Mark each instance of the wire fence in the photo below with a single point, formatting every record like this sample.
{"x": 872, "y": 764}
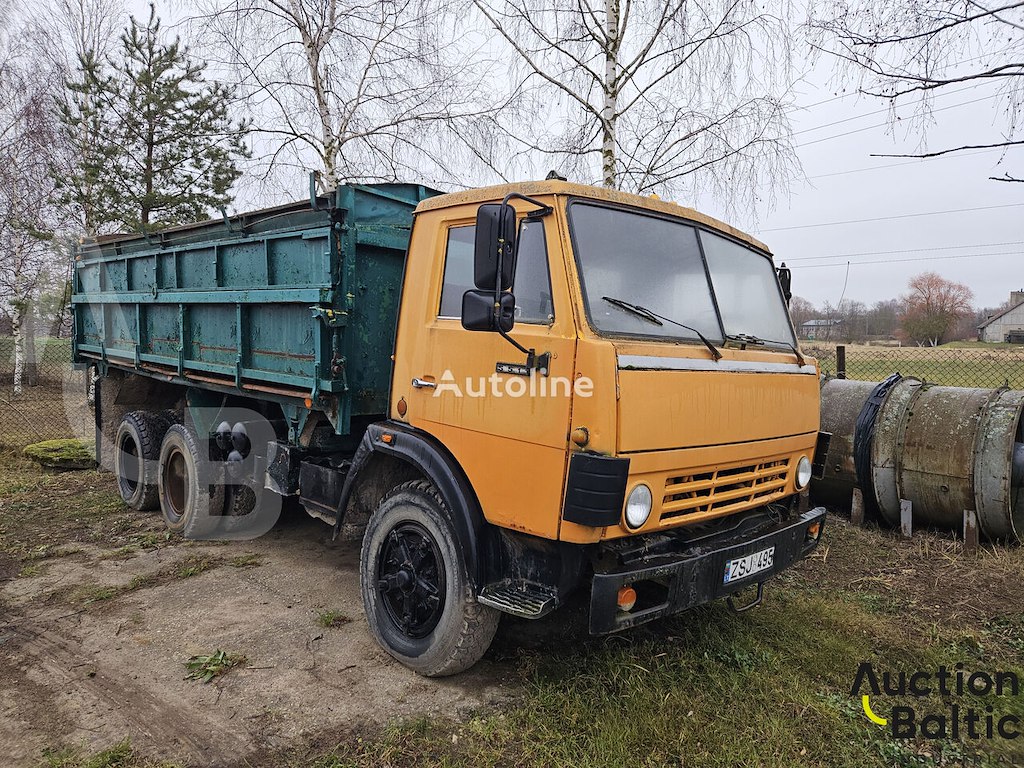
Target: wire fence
{"x": 52, "y": 401}
{"x": 992, "y": 366}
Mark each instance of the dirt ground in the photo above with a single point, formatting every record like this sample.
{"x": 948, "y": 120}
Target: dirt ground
{"x": 99, "y": 612}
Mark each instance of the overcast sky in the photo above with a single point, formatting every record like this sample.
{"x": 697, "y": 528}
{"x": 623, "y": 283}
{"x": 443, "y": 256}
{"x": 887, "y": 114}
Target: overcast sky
{"x": 982, "y": 248}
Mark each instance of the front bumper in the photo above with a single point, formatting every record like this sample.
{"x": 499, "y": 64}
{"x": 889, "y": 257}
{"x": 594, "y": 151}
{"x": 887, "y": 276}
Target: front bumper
{"x": 681, "y": 569}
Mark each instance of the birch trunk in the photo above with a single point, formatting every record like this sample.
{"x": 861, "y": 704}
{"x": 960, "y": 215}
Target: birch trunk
{"x": 610, "y": 106}
{"x": 28, "y": 333}
{"x": 19, "y": 350}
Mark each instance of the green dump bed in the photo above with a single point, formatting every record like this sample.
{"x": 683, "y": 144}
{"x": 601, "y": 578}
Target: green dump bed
{"x": 288, "y": 302}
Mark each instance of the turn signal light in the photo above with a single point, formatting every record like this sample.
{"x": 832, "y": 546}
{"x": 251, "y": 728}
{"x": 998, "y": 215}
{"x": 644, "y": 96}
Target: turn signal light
{"x": 813, "y": 530}
{"x": 627, "y": 598}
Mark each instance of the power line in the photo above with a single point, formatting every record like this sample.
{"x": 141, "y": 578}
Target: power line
{"x": 847, "y": 264}
{"x": 882, "y": 125}
{"x": 891, "y": 218}
{"x": 909, "y": 162}
{"x": 908, "y": 250}
{"x": 881, "y": 111}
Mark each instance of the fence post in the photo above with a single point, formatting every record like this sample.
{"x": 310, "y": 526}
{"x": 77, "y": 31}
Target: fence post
{"x": 970, "y": 531}
{"x": 906, "y": 518}
{"x": 841, "y": 361}
{"x": 857, "y": 507}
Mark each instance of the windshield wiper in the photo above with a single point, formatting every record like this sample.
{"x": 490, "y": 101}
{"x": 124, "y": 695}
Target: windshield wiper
{"x": 746, "y": 338}
{"x": 655, "y": 318}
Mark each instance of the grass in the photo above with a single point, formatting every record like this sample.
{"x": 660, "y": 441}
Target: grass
{"x": 249, "y": 560}
{"x": 988, "y": 366}
{"x": 121, "y": 755}
{"x": 206, "y": 667}
{"x": 195, "y": 565}
{"x": 331, "y": 619}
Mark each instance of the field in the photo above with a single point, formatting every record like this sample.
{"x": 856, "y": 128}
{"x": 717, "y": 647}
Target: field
{"x": 957, "y": 366}
{"x": 104, "y": 611}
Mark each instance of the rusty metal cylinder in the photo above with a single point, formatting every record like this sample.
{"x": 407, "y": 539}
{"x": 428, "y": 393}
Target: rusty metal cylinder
{"x": 841, "y": 404}
{"x": 945, "y": 449}
{"x": 887, "y": 445}
{"x": 999, "y": 499}
{"x": 936, "y": 470}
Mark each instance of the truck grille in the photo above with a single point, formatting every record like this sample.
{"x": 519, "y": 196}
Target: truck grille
{"x": 724, "y": 490}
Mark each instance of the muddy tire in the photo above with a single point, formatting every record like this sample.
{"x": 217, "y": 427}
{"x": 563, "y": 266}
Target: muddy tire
{"x": 191, "y": 486}
{"x": 416, "y": 592}
{"x": 136, "y": 456}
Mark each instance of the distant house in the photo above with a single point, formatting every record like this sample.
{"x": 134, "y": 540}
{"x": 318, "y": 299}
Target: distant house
{"x": 1008, "y": 325}
{"x": 819, "y": 328}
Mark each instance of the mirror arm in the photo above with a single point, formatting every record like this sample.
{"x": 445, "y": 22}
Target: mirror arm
{"x": 534, "y": 361}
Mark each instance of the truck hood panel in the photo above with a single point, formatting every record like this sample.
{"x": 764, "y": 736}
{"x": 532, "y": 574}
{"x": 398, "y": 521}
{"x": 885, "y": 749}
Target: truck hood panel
{"x": 681, "y": 402}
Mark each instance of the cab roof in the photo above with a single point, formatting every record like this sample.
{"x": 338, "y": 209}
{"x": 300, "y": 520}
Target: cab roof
{"x": 568, "y": 189}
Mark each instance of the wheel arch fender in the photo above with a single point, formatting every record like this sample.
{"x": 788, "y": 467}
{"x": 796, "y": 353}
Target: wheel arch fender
{"x": 385, "y": 443}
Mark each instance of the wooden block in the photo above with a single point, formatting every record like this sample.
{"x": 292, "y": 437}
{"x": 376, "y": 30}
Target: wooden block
{"x": 906, "y": 518}
{"x": 857, "y": 507}
{"x": 970, "y": 531}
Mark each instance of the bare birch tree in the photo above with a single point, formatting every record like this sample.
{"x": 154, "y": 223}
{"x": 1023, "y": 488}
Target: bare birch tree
{"x": 358, "y": 89}
{"x": 894, "y": 48}
{"x": 657, "y": 94}
{"x": 27, "y": 217}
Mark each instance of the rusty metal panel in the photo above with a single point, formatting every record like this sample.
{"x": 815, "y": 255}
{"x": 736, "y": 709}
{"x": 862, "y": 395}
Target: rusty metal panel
{"x": 938, "y": 453}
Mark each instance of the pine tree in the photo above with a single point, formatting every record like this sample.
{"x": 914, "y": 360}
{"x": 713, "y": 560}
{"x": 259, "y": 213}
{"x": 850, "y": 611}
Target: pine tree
{"x": 162, "y": 147}
{"x": 90, "y": 153}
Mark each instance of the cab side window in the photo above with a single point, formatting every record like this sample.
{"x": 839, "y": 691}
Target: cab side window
{"x": 458, "y": 270}
{"x": 532, "y": 279}
{"x": 533, "y": 276}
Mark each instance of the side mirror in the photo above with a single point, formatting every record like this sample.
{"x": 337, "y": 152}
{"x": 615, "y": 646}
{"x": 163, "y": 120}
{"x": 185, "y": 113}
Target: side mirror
{"x": 786, "y": 281}
{"x": 495, "y": 233}
{"x": 478, "y": 311}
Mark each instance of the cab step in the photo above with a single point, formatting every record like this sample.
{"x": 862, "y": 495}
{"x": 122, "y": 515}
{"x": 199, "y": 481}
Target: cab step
{"x": 519, "y": 598}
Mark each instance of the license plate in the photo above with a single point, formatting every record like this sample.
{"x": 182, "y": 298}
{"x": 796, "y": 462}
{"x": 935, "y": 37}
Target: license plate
{"x": 748, "y": 565}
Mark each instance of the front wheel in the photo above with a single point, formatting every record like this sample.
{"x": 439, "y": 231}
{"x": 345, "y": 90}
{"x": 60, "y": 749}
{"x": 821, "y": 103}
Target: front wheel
{"x": 418, "y": 599}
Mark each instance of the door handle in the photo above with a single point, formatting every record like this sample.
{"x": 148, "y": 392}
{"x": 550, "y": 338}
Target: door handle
{"x": 421, "y": 383}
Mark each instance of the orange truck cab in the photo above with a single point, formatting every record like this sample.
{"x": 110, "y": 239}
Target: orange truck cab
{"x": 625, "y": 409}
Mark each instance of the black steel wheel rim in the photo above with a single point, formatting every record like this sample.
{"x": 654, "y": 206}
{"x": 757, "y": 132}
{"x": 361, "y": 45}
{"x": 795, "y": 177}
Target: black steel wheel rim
{"x": 131, "y": 465}
{"x": 411, "y": 579}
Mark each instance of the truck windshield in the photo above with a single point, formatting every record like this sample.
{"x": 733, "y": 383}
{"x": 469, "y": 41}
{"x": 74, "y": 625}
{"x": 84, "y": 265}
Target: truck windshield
{"x": 658, "y": 263}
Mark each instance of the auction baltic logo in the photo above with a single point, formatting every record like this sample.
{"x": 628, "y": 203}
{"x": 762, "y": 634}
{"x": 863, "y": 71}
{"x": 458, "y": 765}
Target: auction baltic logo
{"x": 953, "y": 721}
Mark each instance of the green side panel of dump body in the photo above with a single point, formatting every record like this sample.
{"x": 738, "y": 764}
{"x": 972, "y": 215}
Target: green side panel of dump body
{"x": 288, "y": 302}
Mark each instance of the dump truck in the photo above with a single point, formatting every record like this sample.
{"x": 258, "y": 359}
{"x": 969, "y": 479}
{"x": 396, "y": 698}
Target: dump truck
{"x": 514, "y": 393}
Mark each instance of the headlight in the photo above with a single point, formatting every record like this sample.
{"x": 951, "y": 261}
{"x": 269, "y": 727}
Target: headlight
{"x": 803, "y": 473}
{"x": 638, "y": 506}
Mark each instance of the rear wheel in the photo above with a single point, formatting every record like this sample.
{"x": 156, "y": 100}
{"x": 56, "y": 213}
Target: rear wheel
{"x": 191, "y": 486}
{"x": 136, "y": 457}
{"x": 418, "y": 598}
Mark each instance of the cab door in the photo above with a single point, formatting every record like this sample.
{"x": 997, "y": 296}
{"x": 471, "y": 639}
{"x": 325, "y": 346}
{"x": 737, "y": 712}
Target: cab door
{"x": 507, "y": 430}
